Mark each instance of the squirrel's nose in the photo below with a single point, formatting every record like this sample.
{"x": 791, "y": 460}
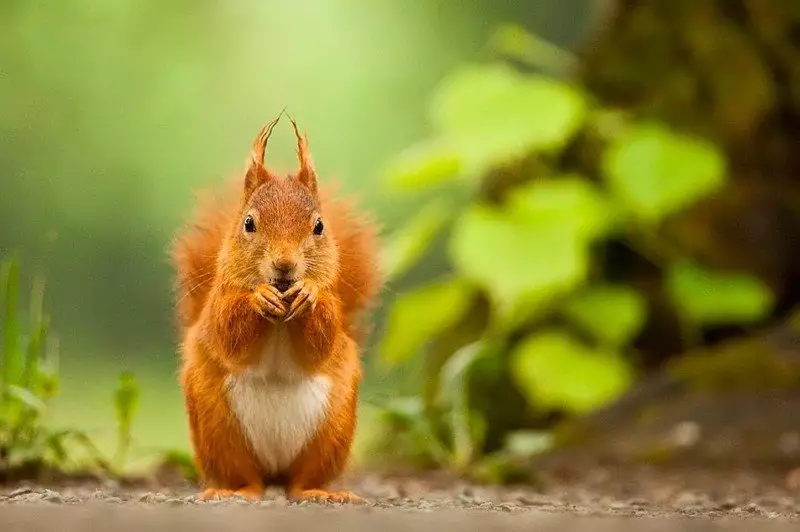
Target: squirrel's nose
{"x": 284, "y": 268}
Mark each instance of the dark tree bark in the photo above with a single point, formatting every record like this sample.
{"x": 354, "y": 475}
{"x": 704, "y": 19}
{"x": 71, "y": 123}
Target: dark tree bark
{"x": 729, "y": 70}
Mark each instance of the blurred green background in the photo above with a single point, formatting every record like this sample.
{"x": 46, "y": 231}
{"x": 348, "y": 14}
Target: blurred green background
{"x": 113, "y": 113}
{"x": 580, "y": 199}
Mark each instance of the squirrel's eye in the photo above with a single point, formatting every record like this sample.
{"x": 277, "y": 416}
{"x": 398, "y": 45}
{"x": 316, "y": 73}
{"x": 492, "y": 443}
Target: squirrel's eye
{"x": 318, "y": 227}
{"x": 249, "y": 224}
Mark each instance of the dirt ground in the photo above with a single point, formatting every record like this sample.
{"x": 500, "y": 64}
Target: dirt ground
{"x": 599, "y": 496}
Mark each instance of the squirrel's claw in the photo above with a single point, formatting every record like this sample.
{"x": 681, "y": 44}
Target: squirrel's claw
{"x": 268, "y": 303}
{"x": 305, "y": 300}
{"x": 322, "y": 496}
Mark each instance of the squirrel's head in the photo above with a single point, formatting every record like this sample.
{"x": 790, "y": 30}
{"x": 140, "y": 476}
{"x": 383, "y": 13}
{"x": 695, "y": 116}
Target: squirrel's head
{"x": 280, "y": 235}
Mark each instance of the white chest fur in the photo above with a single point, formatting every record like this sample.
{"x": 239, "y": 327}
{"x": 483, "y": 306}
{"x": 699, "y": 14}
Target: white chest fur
{"x": 279, "y": 408}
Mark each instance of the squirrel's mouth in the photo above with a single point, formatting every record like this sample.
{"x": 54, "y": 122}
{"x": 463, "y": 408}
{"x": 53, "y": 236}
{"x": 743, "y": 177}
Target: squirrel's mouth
{"x": 282, "y": 284}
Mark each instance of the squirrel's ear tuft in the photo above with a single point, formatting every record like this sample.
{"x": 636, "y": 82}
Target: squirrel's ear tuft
{"x": 306, "y": 175}
{"x": 257, "y": 173}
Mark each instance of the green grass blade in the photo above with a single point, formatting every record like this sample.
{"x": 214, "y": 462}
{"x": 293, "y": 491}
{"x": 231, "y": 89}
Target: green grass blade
{"x": 4, "y": 271}
{"x": 12, "y": 358}
{"x": 38, "y": 326}
{"x": 26, "y": 397}
{"x": 47, "y": 378}
{"x": 126, "y": 402}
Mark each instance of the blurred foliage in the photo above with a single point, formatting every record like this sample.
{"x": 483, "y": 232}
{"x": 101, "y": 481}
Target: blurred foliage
{"x": 571, "y": 221}
{"x": 533, "y": 242}
{"x": 103, "y": 145}
{"x": 29, "y": 380}
{"x": 126, "y": 402}
{"x": 727, "y": 70}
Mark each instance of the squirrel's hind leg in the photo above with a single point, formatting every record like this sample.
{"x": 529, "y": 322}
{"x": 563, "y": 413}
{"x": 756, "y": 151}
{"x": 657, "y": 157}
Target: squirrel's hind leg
{"x": 325, "y": 457}
{"x": 316, "y": 495}
{"x": 253, "y": 492}
{"x": 221, "y": 453}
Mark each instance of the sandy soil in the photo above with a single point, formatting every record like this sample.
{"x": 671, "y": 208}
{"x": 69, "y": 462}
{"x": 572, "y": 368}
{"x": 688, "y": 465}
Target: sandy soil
{"x": 678, "y": 496}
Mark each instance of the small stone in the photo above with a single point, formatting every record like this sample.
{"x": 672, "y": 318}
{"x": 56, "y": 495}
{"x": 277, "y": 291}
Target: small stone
{"x": 147, "y": 498}
{"x": 786, "y": 502}
{"x": 111, "y": 484}
{"x": 214, "y": 502}
{"x": 688, "y": 501}
{"x": 467, "y": 491}
{"x": 752, "y": 508}
{"x": 727, "y": 504}
{"x": 685, "y": 434}
{"x": 174, "y": 502}
{"x": 114, "y": 500}
{"x": 19, "y": 491}
{"x": 793, "y": 480}
{"x": 52, "y": 497}
{"x": 160, "y": 497}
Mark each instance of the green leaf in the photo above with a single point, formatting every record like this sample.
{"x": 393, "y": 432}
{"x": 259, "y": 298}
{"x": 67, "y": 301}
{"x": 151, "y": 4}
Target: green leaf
{"x": 553, "y": 370}
{"x": 407, "y": 246}
{"x": 528, "y": 443}
{"x": 423, "y": 165}
{"x": 408, "y": 414}
{"x": 126, "y": 397}
{"x": 403, "y": 410}
{"x": 454, "y": 387}
{"x": 26, "y": 397}
{"x": 613, "y": 315}
{"x": 184, "y": 461}
{"x": 55, "y": 442}
{"x": 658, "y": 172}
{"x": 502, "y": 468}
{"x": 47, "y": 380}
{"x": 494, "y": 115}
{"x": 518, "y": 263}
{"x": 516, "y": 42}
{"x": 568, "y": 200}
{"x": 126, "y": 402}
{"x": 39, "y": 325}
{"x": 12, "y": 362}
{"x": 416, "y": 316}
{"x": 716, "y": 298}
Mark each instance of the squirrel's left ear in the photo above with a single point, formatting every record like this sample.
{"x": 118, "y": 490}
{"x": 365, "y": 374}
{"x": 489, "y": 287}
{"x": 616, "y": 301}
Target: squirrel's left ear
{"x": 257, "y": 173}
{"x": 306, "y": 175}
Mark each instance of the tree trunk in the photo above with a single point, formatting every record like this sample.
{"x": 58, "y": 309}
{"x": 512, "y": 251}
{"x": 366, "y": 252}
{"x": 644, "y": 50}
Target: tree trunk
{"x": 728, "y": 70}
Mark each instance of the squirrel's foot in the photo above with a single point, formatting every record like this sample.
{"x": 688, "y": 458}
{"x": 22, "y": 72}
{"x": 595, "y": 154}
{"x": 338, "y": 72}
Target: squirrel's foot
{"x": 253, "y": 492}
{"x": 268, "y": 302}
{"x": 305, "y": 295}
{"x": 326, "y": 496}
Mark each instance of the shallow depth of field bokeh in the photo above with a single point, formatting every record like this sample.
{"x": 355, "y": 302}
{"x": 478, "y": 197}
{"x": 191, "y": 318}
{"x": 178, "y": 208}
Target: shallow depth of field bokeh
{"x": 531, "y": 295}
{"x": 113, "y": 113}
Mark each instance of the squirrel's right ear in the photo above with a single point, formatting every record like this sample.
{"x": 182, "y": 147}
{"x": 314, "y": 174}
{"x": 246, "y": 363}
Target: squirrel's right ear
{"x": 257, "y": 173}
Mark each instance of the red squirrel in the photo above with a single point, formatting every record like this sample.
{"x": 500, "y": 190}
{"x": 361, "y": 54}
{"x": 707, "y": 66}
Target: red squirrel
{"x": 272, "y": 285}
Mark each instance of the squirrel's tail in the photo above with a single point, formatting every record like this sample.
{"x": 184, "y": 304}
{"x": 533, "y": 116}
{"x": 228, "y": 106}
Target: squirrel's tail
{"x": 195, "y": 250}
{"x": 359, "y": 273}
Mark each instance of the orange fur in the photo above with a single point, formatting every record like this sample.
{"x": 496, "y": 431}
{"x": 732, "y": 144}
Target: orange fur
{"x": 230, "y": 309}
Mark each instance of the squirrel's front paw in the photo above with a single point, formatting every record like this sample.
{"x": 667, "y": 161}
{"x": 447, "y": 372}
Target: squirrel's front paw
{"x": 305, "y": 294}
{"x": 266, "y": 299}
